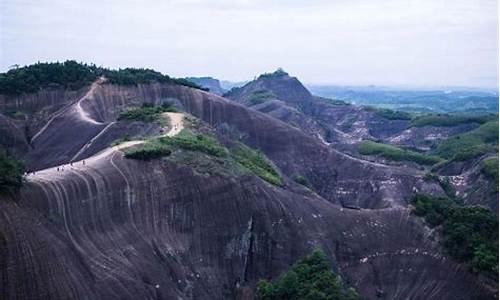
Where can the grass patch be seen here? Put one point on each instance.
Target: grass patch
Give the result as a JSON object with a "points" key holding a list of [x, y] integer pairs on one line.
{"points": [[489, 167], [260, 96], [479, 141], [256, 162], [450, 120], [11, 173], [309, 278], [239, 158], [146, 113], [395, 153]]}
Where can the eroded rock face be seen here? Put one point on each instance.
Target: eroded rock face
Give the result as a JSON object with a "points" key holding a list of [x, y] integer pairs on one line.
{"points": [[125, 229], [335, 176]]}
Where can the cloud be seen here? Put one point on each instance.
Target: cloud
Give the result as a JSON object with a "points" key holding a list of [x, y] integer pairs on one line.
{"points": [[411, 42]]}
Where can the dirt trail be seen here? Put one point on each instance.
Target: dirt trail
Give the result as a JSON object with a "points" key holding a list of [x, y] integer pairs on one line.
{"points": [[176, 125], [77, 107]]}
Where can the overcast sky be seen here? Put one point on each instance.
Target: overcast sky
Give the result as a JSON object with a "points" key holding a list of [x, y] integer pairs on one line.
{"points": [[354, 42]]}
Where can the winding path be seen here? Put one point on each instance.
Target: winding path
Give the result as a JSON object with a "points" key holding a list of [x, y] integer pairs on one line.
{"points": [[77, 107], [176, 122]]}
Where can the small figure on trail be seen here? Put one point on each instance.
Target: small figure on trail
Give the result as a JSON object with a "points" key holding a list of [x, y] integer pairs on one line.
{"points": [[83, 162], [57, 169]]}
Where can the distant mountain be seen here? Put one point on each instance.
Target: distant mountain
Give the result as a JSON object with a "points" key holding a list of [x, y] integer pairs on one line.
{"points": [[437, 101], [212, 84], [227, 85]]}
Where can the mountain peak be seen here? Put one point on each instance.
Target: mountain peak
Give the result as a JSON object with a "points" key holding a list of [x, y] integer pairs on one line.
{"points": [[279, 73]]}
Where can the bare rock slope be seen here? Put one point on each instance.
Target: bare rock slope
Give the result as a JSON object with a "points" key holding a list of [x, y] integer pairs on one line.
{"points": [[115, 228]]}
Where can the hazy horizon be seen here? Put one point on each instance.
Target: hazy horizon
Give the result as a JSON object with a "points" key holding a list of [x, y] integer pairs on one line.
{"points": [[418, 44]]}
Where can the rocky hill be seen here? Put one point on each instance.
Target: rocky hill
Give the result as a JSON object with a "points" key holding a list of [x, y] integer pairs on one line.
{"points": [[238, 196], [403, 139], [212, 84]]}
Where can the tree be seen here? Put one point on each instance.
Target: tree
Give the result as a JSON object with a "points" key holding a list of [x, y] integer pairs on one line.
{"points": [[309, 279]]}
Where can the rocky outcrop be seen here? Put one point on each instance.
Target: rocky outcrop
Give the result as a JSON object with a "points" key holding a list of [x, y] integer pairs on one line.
{"points": [[115, 228], [125, 229]]}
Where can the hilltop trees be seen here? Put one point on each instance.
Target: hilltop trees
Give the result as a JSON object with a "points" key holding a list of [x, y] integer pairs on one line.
{"points": [[74, 75]]}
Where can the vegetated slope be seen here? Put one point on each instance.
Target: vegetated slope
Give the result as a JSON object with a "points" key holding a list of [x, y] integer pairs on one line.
{"points": [[335, 121], [417, 141], [164, 228]]}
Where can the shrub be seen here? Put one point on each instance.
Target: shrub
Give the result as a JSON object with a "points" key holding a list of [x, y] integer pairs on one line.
{"points": [[260, 96], [276, 74], [470, 233], [188, 140], [256, 162], [148, 150], [334, 102], [310, 279], [11, 173], [301, 180], [146, 113], [124, 139], [390, 114], [395, 153], [489, 167]]}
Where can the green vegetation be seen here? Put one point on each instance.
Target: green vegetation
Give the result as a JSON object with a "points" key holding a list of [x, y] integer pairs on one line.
{"points": [[389, 113], [260, 96], [133, 76], [146, 113], [15, 114], [73, 75], [240, 156], [334, 102], [11, 173], [256, 162], [470, 233], [124, 139], [481, 140], [31, 79], [276, 74], [301, 180], [489, 167], [309, 279], [450, 120], [189, 140], [149, 150], [395, 153]]}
